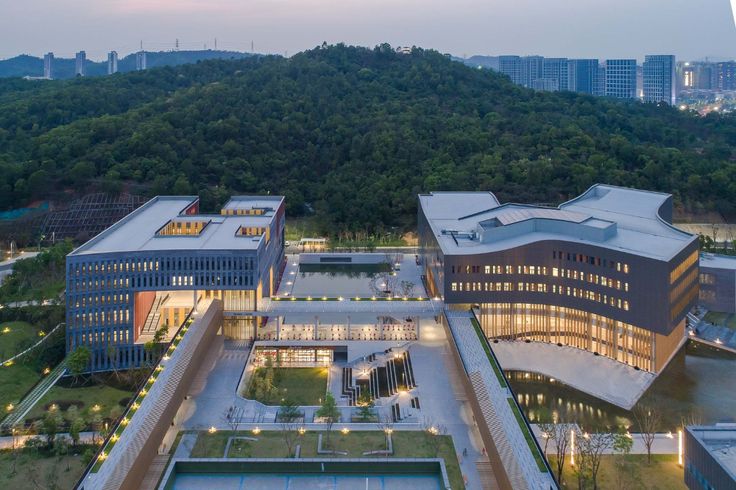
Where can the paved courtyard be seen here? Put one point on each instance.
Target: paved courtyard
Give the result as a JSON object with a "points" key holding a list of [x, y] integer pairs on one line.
{"points": [[215, 403]]}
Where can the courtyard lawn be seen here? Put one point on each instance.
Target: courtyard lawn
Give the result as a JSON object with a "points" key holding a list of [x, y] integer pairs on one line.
{"points": [[722, 319], [303, 386], [15, 381], [270, 444], [662, 474], [85, 398], [30, 468], [16, 337]]}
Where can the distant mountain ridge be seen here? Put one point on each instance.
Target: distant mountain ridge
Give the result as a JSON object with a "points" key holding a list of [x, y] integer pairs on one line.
{"points": [[63, 68]]}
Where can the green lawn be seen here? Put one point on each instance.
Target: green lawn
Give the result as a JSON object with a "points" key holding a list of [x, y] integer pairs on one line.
{"points": [[16, 337], [35, 470], [85, 398], [303, 386], [270, 444], [15, 381], [723, 319], [662, 474]]}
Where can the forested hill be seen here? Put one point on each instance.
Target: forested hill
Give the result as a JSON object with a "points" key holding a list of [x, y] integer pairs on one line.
{"points": [[351, 134]]}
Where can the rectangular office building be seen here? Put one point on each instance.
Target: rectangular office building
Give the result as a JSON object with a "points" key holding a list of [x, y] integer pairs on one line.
{"points": [[144, 275], [621, 79], [659, 79]]}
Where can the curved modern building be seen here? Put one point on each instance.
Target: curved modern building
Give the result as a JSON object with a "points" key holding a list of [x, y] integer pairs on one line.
{"points": [[147, 272], [605, 272]]}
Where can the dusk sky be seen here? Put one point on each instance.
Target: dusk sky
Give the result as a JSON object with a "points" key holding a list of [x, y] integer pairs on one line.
{"points": [[573, 28]]}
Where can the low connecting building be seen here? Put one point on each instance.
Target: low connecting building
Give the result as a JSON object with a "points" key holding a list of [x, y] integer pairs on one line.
{"points": [[710, 457], [140, 278], [605, 272]]}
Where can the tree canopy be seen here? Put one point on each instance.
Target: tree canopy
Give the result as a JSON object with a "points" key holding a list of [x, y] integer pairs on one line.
{"points": [[350, 134]]}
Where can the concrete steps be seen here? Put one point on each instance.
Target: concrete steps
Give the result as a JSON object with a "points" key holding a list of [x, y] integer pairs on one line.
{"points": [[485, 473], [155, 470]]}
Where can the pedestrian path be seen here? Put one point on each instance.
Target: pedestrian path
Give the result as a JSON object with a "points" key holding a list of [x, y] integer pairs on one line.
{"points": [[518, 456], [32, 398]]}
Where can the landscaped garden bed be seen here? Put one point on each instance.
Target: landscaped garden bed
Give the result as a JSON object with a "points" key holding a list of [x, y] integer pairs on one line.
{"points": [[302, 386]]}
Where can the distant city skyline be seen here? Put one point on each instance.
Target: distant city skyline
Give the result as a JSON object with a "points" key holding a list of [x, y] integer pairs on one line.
{"points": [[569, 28]]}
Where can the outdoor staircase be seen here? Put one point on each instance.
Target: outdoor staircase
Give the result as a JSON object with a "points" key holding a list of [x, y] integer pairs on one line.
{"points": [[155, 471], [25, 406], [152, 320], [485, 474]]}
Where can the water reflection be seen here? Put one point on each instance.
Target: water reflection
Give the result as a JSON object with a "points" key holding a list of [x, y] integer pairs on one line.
{"points": [[698, 385]]}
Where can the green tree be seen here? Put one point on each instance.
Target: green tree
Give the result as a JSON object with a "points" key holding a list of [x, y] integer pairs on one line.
{"points": [[365, 406], [78, 361], [329, 413], [76, 423], [52, 421], [290, 418]]}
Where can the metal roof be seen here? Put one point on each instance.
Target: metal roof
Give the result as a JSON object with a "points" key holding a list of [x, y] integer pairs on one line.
{"points": [[137, 231], [618, 218]]}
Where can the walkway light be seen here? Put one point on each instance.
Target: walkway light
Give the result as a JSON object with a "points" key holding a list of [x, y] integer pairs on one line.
{"points": [[345, 430], [212, 429], [256, 430], [46, 370], [125, 421], [6, 330], [41, 333], [9, 407], [572, 447], [302, 430], [95, 408]]}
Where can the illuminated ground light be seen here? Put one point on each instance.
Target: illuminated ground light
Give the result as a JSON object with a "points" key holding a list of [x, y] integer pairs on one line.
{"points": [[256, 430], [345, 430]]}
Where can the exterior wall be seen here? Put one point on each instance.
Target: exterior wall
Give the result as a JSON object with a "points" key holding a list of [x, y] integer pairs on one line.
{"points": [[590, 297], [702, 471], [433, 260], [718, 289]]}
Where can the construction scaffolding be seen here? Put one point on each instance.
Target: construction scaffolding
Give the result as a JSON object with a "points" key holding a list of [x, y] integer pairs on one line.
{"points": [[88, 216]]}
